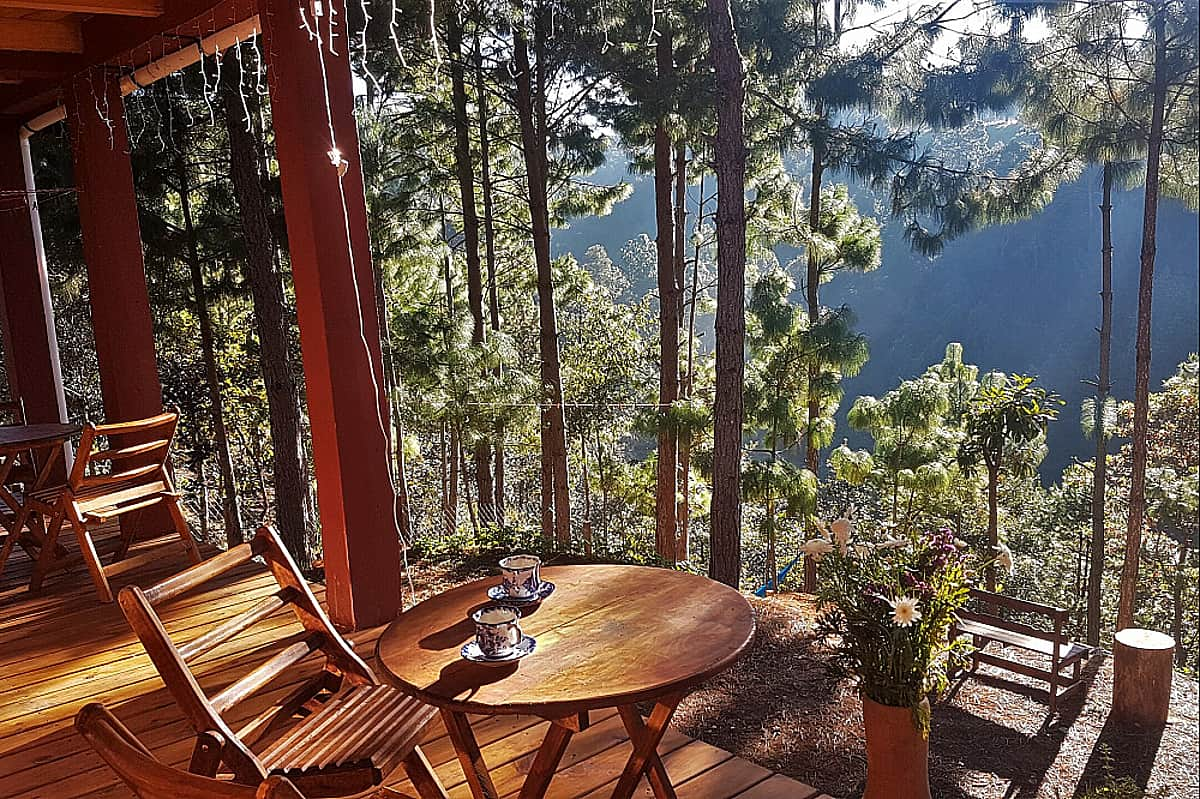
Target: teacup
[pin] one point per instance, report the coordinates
(497, 630)
(521, 576)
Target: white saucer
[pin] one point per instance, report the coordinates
(471, 652)
(496, 593)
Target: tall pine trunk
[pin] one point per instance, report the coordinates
(682, 509)
(668, 317)
(465, 171)
(1103, 388)
(993, 483)
(489, 244)
(450, 456)
(813, 301)
(230, 509)
(271, 324)
(556, 508)
(725, 557)
(1141, 393)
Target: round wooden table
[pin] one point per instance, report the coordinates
(609, 636)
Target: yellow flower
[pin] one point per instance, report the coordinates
(904, 611)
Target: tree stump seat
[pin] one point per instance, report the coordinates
(1143, 662)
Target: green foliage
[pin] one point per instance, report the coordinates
(917, 429)
(1006, 425)
(1049, 528)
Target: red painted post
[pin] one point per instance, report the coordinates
(312, 107)
(30, 343)
(112, 248)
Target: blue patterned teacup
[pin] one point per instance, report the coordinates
(521, 576)
(497, 630)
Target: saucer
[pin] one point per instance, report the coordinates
(496, 592)
(471, 652)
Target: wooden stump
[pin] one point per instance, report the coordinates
(1143, 661)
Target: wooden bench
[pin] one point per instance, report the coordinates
(990, 624)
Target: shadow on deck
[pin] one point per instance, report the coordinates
(62, 649)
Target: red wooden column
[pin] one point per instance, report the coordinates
(112, 249)
(312, 105)
(29, 338)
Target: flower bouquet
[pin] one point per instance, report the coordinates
(887, 603)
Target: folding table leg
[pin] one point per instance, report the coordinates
(545, 763)
(646, 736)
(46, 556)
(655, 772)
(475, 770)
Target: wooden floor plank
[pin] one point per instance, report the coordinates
(61, 649)
(778, 786)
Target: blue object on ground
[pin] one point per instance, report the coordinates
(761, 591)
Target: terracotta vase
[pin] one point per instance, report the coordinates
(897, 753)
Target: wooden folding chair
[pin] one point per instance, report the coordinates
(18, 471)
(104, 484)
(21, 469)
(352, 732)
(150, 779)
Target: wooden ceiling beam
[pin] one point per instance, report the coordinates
(58, 36)
(124, 8)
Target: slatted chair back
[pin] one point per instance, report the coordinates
(12, 413)
(207, 713)
(150, 779)
(132, 453)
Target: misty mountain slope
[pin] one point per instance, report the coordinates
(1021, 297)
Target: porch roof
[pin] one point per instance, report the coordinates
(43, 43)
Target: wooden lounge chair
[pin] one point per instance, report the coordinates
(150, 779)
(338, 733)
(129, 475)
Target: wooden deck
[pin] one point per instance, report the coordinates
(63, 649)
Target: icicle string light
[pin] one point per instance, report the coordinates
(365, 5)
(392, 28)
(242, 85)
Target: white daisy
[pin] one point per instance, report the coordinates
(841, 529)
(816, 547)
(904, 611)
(1004, 557)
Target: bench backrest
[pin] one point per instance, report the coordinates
(206, 713)
(151, 779)
(1056, 617)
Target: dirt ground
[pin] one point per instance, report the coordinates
(783, 707)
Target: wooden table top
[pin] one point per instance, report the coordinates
(607, 636)
(24, 435)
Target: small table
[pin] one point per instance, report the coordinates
(45, 442)
(609, 636)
